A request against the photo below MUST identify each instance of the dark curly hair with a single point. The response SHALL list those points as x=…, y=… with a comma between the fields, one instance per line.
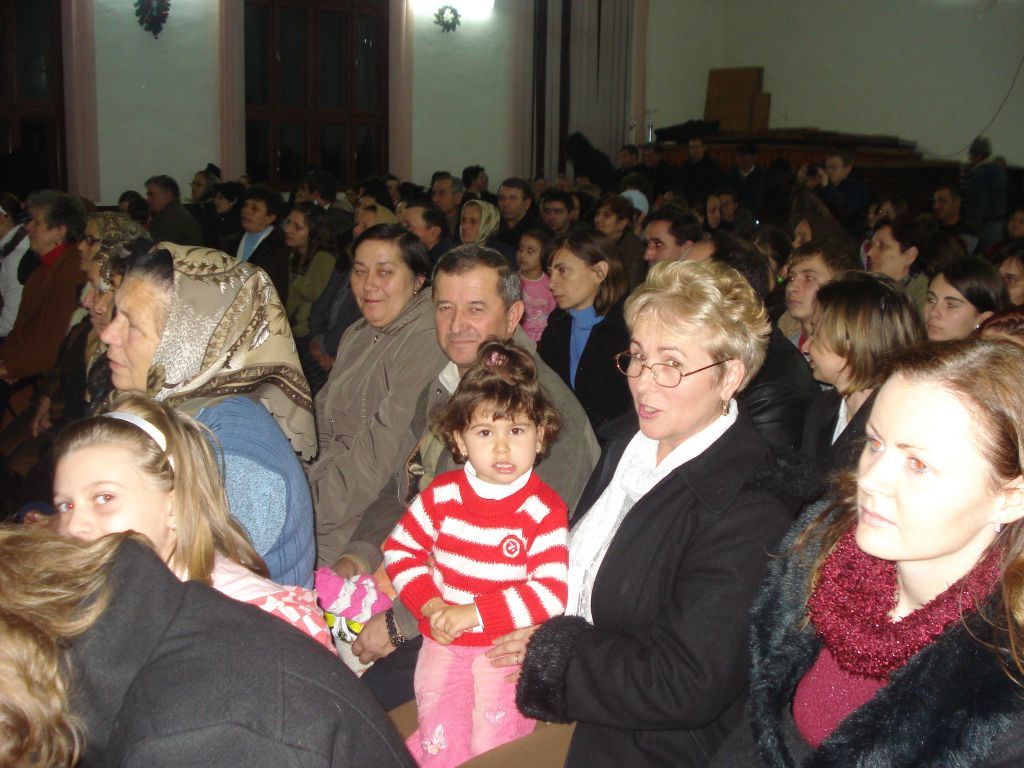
x=503, y=380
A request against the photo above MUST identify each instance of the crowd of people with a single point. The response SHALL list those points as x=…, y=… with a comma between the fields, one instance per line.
x=656, y=465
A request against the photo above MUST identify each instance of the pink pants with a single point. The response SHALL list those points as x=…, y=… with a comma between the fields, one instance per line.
x=465, y=705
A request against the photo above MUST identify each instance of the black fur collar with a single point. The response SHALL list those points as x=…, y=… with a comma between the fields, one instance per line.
x=948, y=706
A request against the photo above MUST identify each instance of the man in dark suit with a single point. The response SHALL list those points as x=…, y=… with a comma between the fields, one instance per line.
x=701, y=174
x=170, y=220
x=261, y=241
x=745, y=178
x=844, y=195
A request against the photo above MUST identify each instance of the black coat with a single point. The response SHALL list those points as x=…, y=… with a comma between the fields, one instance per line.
x=176, y=674
x=660, y=678
x=174, y=224
x=779, y=396
x=950, y=705
x=819, y=426
x=601, y=389
x=272, y=255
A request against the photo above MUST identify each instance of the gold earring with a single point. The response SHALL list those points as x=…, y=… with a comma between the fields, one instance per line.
x=725, y=407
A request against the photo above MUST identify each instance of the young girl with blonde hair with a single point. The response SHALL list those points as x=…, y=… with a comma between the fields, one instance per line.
x=143, y=466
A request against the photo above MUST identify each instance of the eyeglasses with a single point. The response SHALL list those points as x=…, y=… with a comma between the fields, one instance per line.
x=667, y=375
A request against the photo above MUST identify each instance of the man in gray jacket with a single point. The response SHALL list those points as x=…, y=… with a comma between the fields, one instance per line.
x=476, y=297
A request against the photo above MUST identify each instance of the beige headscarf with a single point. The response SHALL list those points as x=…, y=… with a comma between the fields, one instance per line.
x=115, y=230
x=489, y=220
x=385, y=215
x=227, y=334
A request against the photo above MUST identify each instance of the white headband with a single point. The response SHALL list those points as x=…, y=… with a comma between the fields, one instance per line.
x=145, y=426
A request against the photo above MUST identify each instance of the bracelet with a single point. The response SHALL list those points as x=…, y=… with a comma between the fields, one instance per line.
x=397, y=638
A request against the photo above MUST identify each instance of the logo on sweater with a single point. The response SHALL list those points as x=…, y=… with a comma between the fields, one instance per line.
x=511, y=547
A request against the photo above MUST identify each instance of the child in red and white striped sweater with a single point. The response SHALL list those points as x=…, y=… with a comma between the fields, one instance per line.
x=480, y=552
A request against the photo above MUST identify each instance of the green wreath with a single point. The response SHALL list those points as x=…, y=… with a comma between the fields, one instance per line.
x=447, y=18
x=152, y=14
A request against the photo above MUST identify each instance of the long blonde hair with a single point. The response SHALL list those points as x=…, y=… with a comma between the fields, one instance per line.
x=188, y=467
x=52, y=589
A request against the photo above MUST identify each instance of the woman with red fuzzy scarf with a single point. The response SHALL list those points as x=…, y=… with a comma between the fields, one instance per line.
x=891, y=633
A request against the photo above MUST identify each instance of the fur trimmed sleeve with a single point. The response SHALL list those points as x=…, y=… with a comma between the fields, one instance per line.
x=540, y=692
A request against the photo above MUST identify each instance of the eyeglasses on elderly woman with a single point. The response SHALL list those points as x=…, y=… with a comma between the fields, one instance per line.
x=668, y=375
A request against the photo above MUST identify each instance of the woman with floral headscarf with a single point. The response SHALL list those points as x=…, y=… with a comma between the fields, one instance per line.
x=478, y=225
x=207, y=334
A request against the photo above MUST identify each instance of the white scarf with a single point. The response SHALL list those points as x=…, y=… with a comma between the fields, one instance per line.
x=637, y=473
x=495, y=491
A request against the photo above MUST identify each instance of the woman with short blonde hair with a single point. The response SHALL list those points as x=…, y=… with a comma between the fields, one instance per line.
x=685, y=296
x=669, y=540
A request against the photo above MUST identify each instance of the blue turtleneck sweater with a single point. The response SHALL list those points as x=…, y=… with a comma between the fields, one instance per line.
x=583, y=322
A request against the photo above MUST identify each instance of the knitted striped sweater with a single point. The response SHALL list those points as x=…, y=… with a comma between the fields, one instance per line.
x=509, y=556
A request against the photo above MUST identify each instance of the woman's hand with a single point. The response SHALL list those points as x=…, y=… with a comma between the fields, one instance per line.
x=346, y=567
x=510, y=650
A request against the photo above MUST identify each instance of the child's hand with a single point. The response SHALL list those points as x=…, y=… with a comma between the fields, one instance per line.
x=453, y=620
x=432, y=606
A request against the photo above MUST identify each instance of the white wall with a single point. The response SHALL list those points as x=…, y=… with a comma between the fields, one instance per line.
x=460, y=94
x=929, y=71
x=683, y=43
x=156, y=99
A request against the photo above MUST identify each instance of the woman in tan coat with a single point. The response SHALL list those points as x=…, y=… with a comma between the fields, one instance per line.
x=383, y=364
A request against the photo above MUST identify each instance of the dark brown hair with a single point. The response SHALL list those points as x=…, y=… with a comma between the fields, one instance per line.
x=592, y=247
x=838, y=253
x=503, y=379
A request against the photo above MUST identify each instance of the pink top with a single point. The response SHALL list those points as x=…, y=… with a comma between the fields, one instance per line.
x=296, y=605
x=539, y=304
x=827, y=695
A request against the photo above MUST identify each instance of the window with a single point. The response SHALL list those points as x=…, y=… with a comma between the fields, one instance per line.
x=315, y=88
x=31, y=97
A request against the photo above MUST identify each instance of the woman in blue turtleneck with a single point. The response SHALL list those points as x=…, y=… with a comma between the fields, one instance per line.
x=587, y=330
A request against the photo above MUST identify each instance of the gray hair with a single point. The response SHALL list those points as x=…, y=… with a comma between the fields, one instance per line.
x=460, y=260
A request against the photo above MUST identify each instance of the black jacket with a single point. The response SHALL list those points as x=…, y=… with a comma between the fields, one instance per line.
x=950, y=705
x=601, y=389
x=819, y=425
x=174, y=224
x=272, y=255
x=176, y=674
x=777, y=398
x=661, y=676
